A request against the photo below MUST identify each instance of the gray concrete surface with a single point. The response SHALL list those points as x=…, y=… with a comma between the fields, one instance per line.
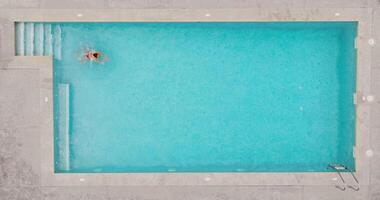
x=19, y=125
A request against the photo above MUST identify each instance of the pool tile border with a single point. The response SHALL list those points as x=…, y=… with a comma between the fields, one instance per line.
x=45, y=63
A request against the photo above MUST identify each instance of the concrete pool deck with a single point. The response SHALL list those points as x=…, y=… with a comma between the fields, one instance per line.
x=21, y=176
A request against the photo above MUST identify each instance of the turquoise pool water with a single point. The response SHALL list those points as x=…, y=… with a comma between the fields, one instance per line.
x=205, y=97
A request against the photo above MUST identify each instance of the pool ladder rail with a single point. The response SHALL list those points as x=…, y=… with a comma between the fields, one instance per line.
x=338, y=168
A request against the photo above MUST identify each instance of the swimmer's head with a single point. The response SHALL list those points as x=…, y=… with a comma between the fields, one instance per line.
x=96, y=55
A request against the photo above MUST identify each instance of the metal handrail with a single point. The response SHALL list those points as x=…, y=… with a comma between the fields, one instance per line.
x=338, y=168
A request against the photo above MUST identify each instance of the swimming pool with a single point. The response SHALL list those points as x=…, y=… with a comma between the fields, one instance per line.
x=205, y=97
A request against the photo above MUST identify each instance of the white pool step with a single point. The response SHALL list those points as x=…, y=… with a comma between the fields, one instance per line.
x=29, y=39
x=57, y=42
x=48, y=40
x=64, y=126
x=38, y=39
x=20, y=46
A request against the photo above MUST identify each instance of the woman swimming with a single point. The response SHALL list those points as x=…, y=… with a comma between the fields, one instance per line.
x=96, y=56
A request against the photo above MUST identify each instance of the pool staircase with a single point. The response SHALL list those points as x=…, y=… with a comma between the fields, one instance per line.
x=44, y=39
x=38, y=39
x=338, y=168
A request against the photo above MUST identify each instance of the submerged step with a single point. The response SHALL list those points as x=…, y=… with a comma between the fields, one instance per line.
x=57, y=42
x=64, y=126
x=29, y=38
x=38, y=39
x=48, y=48
x=20, y=33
